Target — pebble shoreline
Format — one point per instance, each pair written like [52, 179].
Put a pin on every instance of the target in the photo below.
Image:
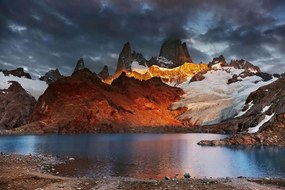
[38, 172]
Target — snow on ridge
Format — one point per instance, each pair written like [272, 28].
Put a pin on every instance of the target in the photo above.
[257, 127]
[34, 87]
[217, 65]
[243, 112]
[265, 108]
[225, 100]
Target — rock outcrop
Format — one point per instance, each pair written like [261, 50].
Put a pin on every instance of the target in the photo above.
[16, 106]
[88, 105]
[104, 74]
[126, 58]
[243, 64]
[19, 72]
[174, 51]
[218, 60]
[80, 65]
[262, 120]
[51, 76]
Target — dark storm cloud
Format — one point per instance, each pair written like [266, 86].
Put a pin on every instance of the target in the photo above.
[40, 35]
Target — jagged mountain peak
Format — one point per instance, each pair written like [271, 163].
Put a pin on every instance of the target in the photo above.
[127, 57]
[243, 64]
[51, 76]
[79, 65]
[104, 73]
[175, 51]
[218, 61]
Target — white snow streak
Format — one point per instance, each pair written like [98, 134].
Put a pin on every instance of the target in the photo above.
[256, 128]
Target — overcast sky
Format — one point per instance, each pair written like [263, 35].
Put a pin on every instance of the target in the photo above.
[45, 34]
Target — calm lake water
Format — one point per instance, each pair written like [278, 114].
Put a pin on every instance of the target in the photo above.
[151, 155]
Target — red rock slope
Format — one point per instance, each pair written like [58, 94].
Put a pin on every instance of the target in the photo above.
[82, 103]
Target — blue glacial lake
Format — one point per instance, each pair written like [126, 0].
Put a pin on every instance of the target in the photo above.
[151, 155]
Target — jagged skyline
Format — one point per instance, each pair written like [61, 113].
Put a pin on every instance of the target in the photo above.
[43, 35]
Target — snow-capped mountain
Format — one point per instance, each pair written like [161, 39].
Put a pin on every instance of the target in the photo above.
[34, 87]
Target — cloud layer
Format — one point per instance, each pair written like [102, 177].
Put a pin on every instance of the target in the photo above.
[40, 35]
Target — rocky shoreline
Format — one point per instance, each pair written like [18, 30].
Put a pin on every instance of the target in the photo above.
[37, 172]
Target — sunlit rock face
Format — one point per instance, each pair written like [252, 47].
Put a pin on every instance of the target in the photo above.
[16, 106]
[173, 77]
[88, 105]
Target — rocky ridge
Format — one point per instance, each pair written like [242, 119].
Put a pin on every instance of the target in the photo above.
[19, 72]
[173, 53]
[51, 76]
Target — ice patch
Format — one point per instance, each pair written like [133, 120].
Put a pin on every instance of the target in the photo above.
[256, 128]
[265, 108]
[243, 112]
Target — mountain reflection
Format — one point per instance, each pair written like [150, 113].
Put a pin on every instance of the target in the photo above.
[151, 155]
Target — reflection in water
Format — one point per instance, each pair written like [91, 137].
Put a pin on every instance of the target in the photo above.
[18, 144]
[152, 155]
